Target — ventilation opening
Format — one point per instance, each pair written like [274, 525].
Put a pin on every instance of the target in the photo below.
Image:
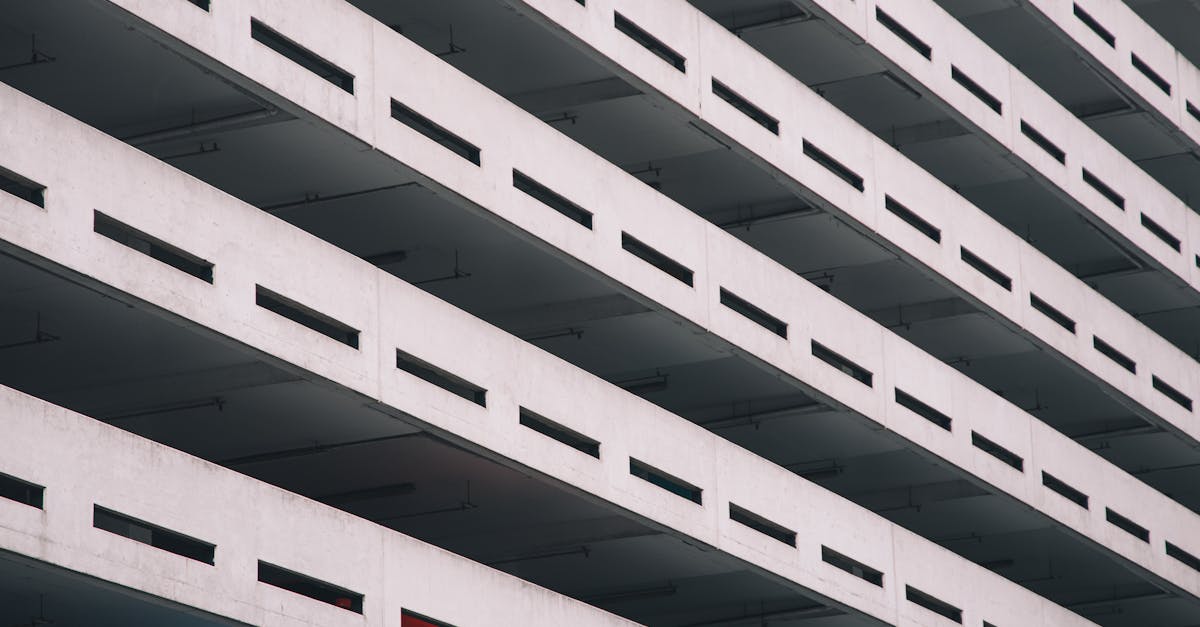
[152, 247]
[1189, 560]
[21, 491]
[1171, 392]
[941, 608]
[862, 375]
[661, 479]
[904, 34]
[1057, 316]
[976, 90]
[985, 268]
[413, 619]
[1126, 525]
[762, 525]
[910, 403]
[153, 535]
[1091, 23]
[756, 315]
[649, 42]
[854, 567]
[743, 105]
[677, 270]
[304, 57]
[560, 433]
[999, 452]
[1043, 143]
[833, 165]
[543, 195]
[1104, 189]
[1108, 351]
[452, 384]
[433, 131]
[1160, 232]
[1064, 490]
[23, 188]
[306, 317]
[203, 4]
[912, 219]
[1193, 110]
[1154, 77]
[309, 587]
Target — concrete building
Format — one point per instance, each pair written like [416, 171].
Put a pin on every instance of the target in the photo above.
[817, 313]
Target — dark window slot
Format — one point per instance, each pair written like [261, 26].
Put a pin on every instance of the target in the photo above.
[677, 270]
[582, 3]
[1046, 310]
[976, 90]
[1126, 525]
[854, 567]
[985, 268]
[762, 525]
[543, 195]
[1154, 77]
[743, 105]
[1160, 232]
[203, 4]
[913, 220]
[1108, 351]
[560, 433]
[932, 604]
[649, 42]
[1104, 189]
[999, 452]
[433, 131]
[1189, 560]
[306, 317]
[309, 587]
[1192, 110]
[303, 56]
[1091, 23]
[833, 165]
[904, 34]
[661, 479]
[22, 188]
[756, 315]
[1043, 143]
[855, 371]
[21, 491]
[413, 619]
[152, 247]
[909, 402]
[153, 535]
[1064, 490]
[430, 374]
[1171, 393]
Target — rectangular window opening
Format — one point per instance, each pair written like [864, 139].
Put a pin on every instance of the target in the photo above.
[1126, 525]
[932, 604]
[677, 270]
[153, 535]
[909, 402]
[661, 479]
[1154, 77]
[304, 57]
[999, 452]
[754, 314]
[649, 42]
[1064, 490]
[542, 194]
[413, 619]
[1057, 316]
[743, 105]
[306, 317]
[21, 491]
[22, 188]
[1108, 351]
[152, 247]
[912, 219]
[433, 131]
[1104, 189]
[309, 587]
[976, 90]
[1160, 232]
[560, 433]
[762, 525]
[1189, 560]
[1091, 23]
[985, 268]
[855, 371]
[833, 165]
[903, 33]
[430, 374]
[854, 567]
[1043, 143]
[203, 4]
[1192, 109]
[1171, 393]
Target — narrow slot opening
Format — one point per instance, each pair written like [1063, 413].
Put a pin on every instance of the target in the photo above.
[302, 56]
[854, 567]
[1091, 23]
[153, 535]
[413, 619]
[1050, 312]
[661, 479]
[1154, 77]
[649, 42]
[903, 33]
[152, 247]
[743, 105]
[542, 194]
[1160, 232]
[855, 371]
[1104, 189]
[999, 452]
[677, 270]
[1189, 560]
[762, 525]
[976, 90]
[21, 491]
[1043, 143]
[985, 268]
[909, 402]
[912, 219]
[309, 587]
[433, 131]
[754, 314]
[1064, 490]
[1171, 393]
[306, 317]
[1117, 356]
[1192, 109]
[931, 603]
[833, 165]
[430, 374]
[22, 188]
[203, 4]
[555, 431]
[1126, 525]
